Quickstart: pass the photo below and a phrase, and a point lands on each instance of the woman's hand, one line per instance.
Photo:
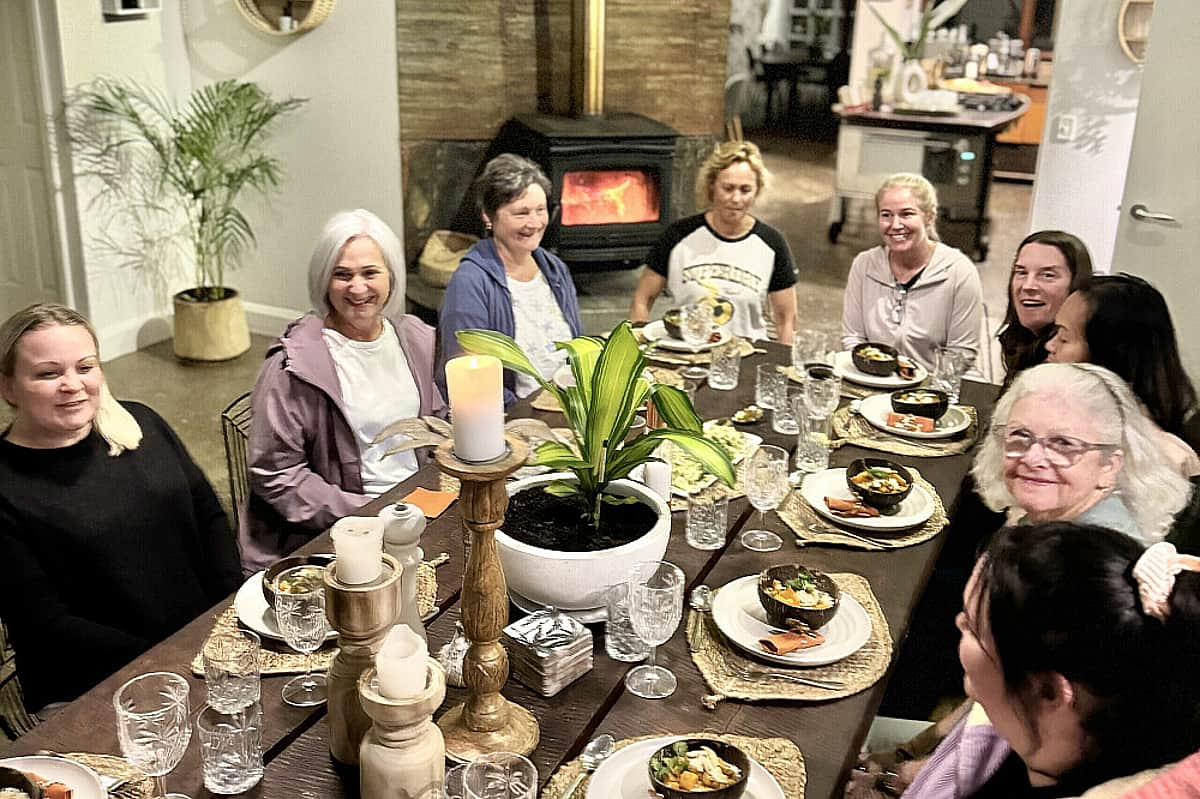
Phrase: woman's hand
(649, 286)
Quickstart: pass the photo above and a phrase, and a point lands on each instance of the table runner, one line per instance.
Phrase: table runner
(852, 428)
(712, 654)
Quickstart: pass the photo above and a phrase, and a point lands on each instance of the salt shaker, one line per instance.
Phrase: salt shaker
(403, 525)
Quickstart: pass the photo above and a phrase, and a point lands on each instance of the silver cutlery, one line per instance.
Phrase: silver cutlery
(755, 673)
(700, 600)
(826, 530)
(595, 753)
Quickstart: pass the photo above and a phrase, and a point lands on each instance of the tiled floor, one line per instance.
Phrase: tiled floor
(191, 396)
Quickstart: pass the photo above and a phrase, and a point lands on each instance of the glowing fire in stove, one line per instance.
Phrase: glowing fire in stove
(609, 196)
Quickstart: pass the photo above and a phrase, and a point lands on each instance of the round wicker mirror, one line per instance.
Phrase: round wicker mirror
(273, 18)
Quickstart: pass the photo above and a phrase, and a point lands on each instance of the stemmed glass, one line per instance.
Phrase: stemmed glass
(302, 621)
(655, 609)
(765, 481)
(695, 325)
(152, 725)
(500, 775)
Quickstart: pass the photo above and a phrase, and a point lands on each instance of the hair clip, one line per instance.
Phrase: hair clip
(1155, 574)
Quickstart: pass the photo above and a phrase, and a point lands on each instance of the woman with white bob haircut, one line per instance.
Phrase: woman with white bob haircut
(1070, 442)
(336, 377)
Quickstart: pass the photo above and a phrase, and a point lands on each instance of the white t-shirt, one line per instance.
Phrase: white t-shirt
(539, 323)
(377, 389)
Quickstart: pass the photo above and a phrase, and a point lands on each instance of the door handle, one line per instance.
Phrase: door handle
(1144, 214)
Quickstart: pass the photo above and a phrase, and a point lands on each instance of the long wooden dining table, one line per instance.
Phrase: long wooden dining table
(829, 733)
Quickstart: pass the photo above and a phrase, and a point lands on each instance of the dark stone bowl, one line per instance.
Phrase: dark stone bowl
(878, 499)
(932, 410)
(877, 368)
(727, 752)
(783, 615)
(671, 323)
(280, 566)
(12, 778)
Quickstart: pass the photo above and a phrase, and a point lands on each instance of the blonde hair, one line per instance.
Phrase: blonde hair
(924, 193)
(114, 424)
(721, 158)
(1149, 485)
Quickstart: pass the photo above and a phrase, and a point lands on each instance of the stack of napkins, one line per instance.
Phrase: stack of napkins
(548, 650)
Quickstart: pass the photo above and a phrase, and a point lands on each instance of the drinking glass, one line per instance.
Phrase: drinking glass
(726, 366)
(152, 725)
(769, 385)
(302, 621)
(655, 608)
(231, 669)
(500, 775)
(765, 481)
(809, 347)
(620, 641)
(949, 366)
(812, 443)
(452, 784)
(783, 418)
(696, 323)
(822, 390)
(231, 749)
(707, 521)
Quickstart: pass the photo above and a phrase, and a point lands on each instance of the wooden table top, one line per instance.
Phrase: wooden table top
(829, 734)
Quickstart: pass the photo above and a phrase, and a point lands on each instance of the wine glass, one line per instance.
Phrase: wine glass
(500, 775)
(765, 481)
(152, 725)
(655, 609)
(301, 617)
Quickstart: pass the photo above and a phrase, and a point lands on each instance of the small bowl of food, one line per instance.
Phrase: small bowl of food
(880, 483)
(295, 575)
(17, 784)
(792, 595)
(671, 323)
(931, 403)
(699, 766)
(874, 359)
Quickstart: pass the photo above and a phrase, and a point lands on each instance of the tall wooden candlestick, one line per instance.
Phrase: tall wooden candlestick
(487, 722)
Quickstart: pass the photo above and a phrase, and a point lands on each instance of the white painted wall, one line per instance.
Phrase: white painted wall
(1079, 183)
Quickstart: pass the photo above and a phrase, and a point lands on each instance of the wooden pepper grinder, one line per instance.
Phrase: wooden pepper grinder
(403, 755)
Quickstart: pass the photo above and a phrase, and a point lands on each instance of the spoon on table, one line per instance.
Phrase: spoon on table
(595, 753)
(700, 600)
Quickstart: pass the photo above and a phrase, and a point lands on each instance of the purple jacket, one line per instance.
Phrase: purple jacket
(302, 457)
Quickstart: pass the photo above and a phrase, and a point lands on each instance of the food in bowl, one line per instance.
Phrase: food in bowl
(318, 562)
(880, 479)
(699, 766)
(795, 597)
(671, 323)
(300, 580)
(931, 403)
(874, 359)
(879, 483)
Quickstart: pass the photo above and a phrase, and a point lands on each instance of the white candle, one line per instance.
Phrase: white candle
(358, 549)
(400, 663)
(658, 479)
(476, 389)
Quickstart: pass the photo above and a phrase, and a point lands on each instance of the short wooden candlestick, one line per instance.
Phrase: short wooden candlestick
(486, 722)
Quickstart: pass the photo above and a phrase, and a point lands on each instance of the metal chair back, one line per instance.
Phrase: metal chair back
(235, 429)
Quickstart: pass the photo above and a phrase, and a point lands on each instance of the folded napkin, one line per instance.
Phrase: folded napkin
(432, 503)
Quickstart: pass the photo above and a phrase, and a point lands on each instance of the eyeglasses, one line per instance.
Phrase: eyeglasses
(896, 304)
(1061, 451)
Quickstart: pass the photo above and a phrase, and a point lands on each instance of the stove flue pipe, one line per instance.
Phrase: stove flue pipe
(587, 53)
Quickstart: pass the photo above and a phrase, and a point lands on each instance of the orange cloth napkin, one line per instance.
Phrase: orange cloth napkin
(432, 503)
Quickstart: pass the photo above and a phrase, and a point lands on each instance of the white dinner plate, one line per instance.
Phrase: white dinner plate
(565, 378)
(626, 774)
(740, 617)
(843, 364)
(657, 333)
(83, 782)
(254, 612)
(875, 409)
(751, 443)
(916, 508)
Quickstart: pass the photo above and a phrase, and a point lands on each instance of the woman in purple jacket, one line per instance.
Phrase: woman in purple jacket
(337, 377)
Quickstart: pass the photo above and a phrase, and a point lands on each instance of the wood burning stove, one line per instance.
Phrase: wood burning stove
(611, 178)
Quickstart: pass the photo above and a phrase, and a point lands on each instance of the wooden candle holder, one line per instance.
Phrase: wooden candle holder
(486, 722)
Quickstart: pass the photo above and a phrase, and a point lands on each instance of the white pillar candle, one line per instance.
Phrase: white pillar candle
(400, 663)
(658, 479)
(358, 549)
(476, 389)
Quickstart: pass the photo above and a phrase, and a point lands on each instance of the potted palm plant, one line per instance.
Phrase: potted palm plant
(571, 533)
(170, 180)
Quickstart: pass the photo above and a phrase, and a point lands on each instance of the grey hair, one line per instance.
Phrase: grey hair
(1150, 486)
(504, 179)
(924, 193)
(342, 228)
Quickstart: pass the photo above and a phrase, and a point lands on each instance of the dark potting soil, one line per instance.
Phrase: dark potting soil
(541, 520)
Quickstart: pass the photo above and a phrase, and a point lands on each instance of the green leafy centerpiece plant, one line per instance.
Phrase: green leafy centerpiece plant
(600, 409)
(171, 181)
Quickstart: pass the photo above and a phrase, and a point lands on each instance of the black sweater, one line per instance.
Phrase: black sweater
(105, 556)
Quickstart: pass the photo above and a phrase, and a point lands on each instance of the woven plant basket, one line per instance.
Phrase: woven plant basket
(268, 23)
(441, 254)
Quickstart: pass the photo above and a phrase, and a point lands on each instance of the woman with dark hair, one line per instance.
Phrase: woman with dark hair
(1080, 650)
(507, 282)
(1049, 265)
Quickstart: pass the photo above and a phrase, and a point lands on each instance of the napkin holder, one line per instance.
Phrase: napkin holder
(402, 754)
(548, 650)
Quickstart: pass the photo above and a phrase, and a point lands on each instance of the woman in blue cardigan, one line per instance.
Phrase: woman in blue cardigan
(507, 282)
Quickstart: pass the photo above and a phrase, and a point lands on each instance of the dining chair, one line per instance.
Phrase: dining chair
(235, 429)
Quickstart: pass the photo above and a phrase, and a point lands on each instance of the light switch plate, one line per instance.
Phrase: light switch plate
(1065, 129)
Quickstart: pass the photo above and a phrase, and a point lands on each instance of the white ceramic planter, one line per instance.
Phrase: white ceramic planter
(576, 580)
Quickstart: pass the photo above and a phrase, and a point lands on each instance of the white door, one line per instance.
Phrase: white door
(29, 259)
(1164, 175)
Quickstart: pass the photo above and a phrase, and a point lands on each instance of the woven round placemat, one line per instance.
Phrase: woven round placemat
(139, 785)
(713, 656)
(285, 661)
(798, 515)
(852, 428)
(779, 756)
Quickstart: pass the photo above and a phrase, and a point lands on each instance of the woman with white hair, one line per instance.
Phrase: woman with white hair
(1070, 442)
(336, 377)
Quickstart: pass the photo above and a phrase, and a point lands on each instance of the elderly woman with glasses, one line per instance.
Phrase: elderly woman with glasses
(912, 291)
(1069, 442)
